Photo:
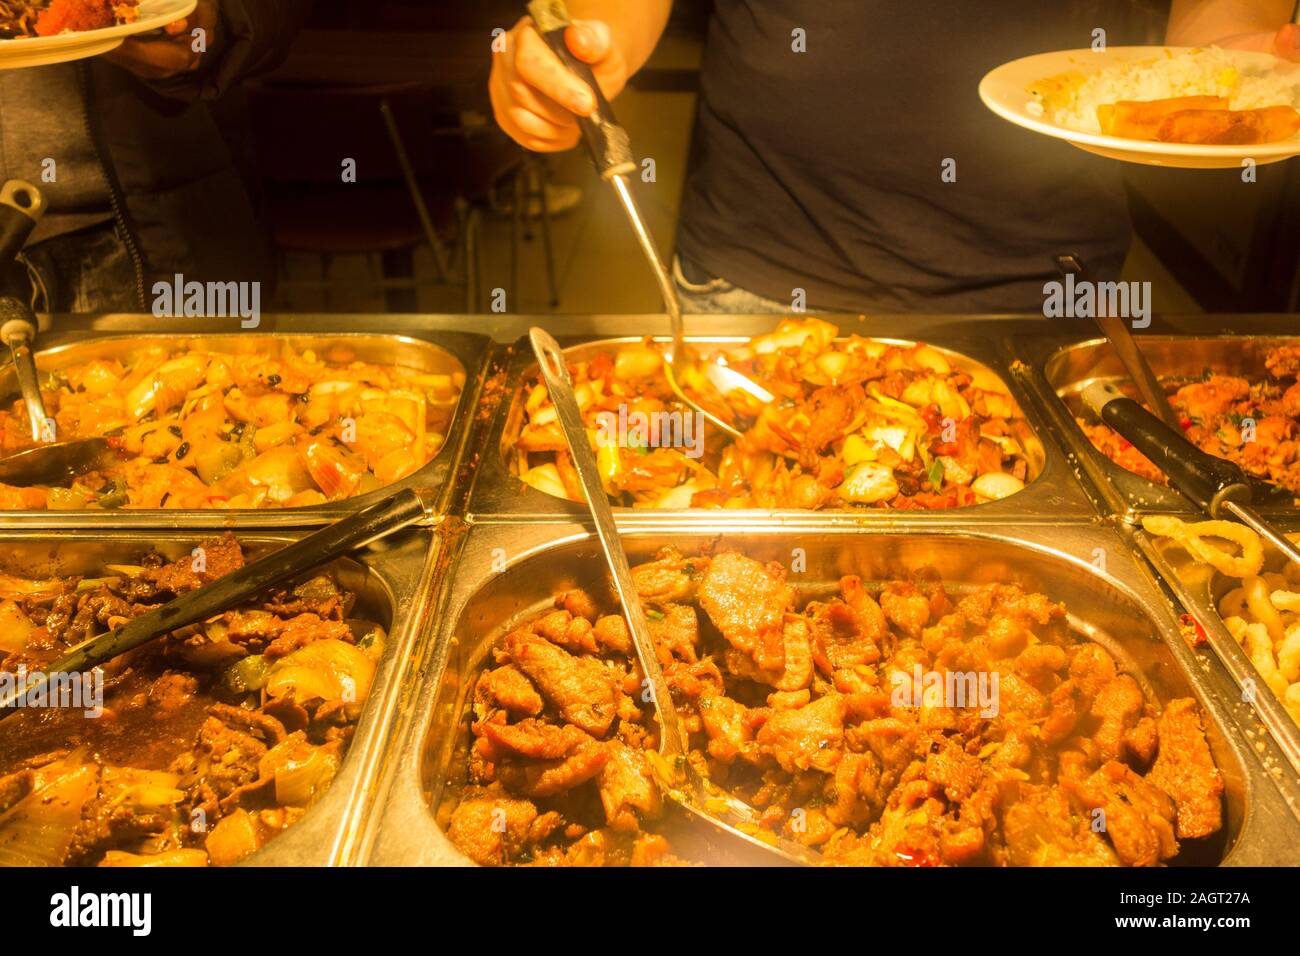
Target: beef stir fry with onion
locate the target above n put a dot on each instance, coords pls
(1254, 423)
(197, 427)
(856, 423)
(823, 714)
(210, 742)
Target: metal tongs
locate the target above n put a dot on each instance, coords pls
(1215, 485)
(378, 521)
(611, 152)
(1125, 346)
(687, 788)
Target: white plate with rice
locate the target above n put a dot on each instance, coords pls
(1057, 94)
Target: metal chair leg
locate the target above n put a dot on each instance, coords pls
(413, 187)
(543, 179)
(473, 221)
(516, 221)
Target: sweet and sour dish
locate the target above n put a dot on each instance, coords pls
(197, 427)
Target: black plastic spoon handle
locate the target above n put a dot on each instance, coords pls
(607, 141)
(1208, 481)
(332, 541)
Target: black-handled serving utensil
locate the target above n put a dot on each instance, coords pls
(686, 788)
(1125, 346)
(611, 153)
(404, 508)
(1217, 486)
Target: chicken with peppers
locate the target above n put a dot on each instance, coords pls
(1252, 422)
(855, 423)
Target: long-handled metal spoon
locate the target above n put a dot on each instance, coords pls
(21, 207)
(611, 152)
(1215, 485)
(18, 331)
(403, 509)
(691, 791)
(51, 462)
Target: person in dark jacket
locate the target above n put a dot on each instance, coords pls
(841, 151)
(143, 158)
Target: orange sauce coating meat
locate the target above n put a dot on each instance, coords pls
(1253, 422)
(809, 711)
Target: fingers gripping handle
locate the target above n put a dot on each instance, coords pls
(1208, 481)
(608, 143)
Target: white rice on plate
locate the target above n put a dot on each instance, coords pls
(1208, 72)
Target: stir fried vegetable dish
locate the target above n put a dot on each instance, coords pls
(855, 423)
(209, 742)
(198, 427)
(827, 717)
(1255, 424)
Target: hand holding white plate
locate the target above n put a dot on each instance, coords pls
(1014, 91)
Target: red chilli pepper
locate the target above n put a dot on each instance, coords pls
(911, 856)
(1201, 637)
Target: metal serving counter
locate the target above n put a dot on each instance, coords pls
(501, 549)
(505, 573)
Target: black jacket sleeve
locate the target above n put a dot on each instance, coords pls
(252, 37)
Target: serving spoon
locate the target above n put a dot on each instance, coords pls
(21, 207)
(611, 152)
(51, 462)
(378, 521)
(686, 786)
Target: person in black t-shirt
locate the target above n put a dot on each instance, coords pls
(841, 148)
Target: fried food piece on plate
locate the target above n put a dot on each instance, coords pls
(1271, 124)
(1142, 120)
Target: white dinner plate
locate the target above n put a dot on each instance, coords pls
(1005, 91)
(42, 51)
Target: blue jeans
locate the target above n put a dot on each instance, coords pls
(720, 296)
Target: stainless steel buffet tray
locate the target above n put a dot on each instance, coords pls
(438, 352)
(1051, 494)
(504, 573)
(391, 580)
(1057, 369)
(1199, 587)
